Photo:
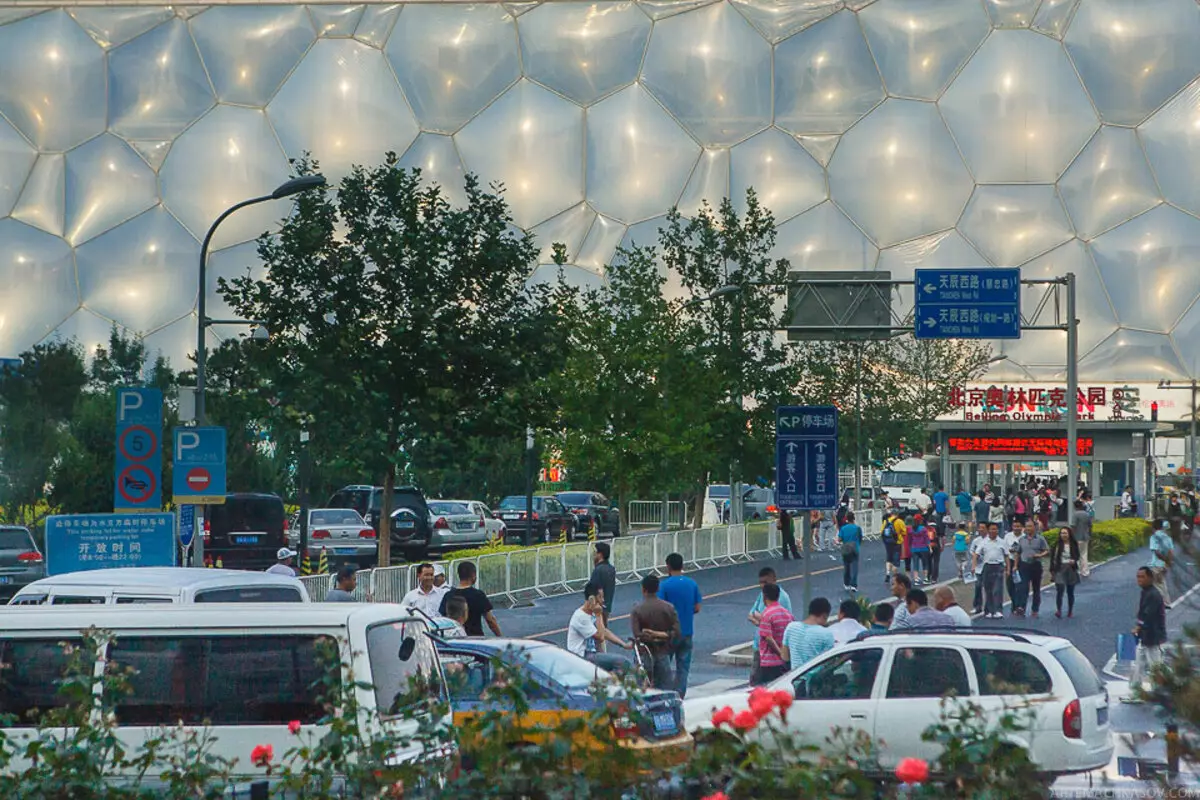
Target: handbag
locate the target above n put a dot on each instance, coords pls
(849, 549)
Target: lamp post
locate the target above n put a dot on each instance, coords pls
(203, 322)
(530, 468)
(1192, 387)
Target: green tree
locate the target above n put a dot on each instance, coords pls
(409, 325)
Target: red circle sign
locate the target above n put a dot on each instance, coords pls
(137, 443)
(198, 479)
(136, 484)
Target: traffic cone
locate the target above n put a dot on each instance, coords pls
(323, 567)
(306, 564)
(220, 563)
(208, 561)
(592, 531)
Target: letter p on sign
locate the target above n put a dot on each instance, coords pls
(127, 404)
(185, 442)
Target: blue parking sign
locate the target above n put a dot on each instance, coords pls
(199, 466)
(137, 479)
(81, 542)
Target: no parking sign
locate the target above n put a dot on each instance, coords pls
(137, 484)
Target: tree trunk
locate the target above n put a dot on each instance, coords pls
(385, 503)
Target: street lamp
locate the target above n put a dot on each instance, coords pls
(1191, 436)
(294, 186)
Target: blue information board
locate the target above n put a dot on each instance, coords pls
(806, 457)
(187, 525)
(199, 466)
(975, 303)
(78, 542)
(137, 482)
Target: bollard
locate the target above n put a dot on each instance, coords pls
(323, 564)
(306, 564)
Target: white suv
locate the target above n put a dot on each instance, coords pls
(889, 686)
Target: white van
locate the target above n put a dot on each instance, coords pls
(246, 669)
(160, 585)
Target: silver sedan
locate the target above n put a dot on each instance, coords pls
(341, 533)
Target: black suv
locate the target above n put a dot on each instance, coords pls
(592, 509)
(246, 531)
(410, 526)
(21, 562)
(550, 519)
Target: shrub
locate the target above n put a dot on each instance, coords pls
(1113, 537)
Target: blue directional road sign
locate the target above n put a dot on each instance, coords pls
(976, 303)
(806, 457)
(137, 484)
(77, 542)
(199, 466)
(187, 525)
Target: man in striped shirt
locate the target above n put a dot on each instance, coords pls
(771, 625)
(804, 641)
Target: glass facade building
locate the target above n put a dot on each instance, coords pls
(1057, 135)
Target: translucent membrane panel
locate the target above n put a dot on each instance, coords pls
(376, 24)
(58, 100)
(249, 50)
(1012, 13)
(1134, 356)
(646, 234)
(142, 273)
(156, 84)
(106, 184)
(336, 21)
(898, 173)
(41, 203)
(114, 25)
(361, 115)
(1172, 141)
(177, 341)
(437, 158)
(600, 244)
(661, 9)
(779, 19)
(638, 158)
(229, 156)
(567, 229)
(572, 275)
(823, 239)
(1012, 224)
(1185, 337)
(16, 160)
(38, 274)
(946, 249)
(453, 60)
(825, 77)
(709, 182)
(531, 140)
(920, 44)
(1109, 183)
(1093, 309)
(584, 50)
(782, 174)
(1018, 111)
(1054, 16)
(712, 70)
(1149, 267)
(1133, 56)
(90, 330)
(232, 262)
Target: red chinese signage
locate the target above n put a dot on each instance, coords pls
(1035, 404)
(1050, 446)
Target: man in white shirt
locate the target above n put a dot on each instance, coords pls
(994, 555)
(1011, 575)
(283, 565)
(586, 630)
(981, 536)
(922, 501)
(847, 628)
(945, 601)
(425, 597)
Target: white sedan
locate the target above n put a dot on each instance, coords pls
(495, 527)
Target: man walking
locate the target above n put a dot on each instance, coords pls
(850, 540)
(901, 586)
(683, 593)
(894, 533)
(1150, 630)
(1031, 549)
(345, 582)
(284, 559)
(425, 597)
(804, 641)
(767, 577)
(963, 501)
(983, 507)
(981, 536)
(604, 575)
(656, 624)
(479, 607)
(787, 530)
(994, 556)
(1081, 524)
(772, 625)
(1162, 553)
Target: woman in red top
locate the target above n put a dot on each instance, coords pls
(918, 544)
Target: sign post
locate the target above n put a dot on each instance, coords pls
(981, 303)
(806, 468)
(199, 474)
(187, 530)
(79, 542)
(137, 484)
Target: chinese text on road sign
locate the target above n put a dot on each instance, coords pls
(806, 457)
(977, 303)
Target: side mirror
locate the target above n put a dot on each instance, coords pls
(407, 647)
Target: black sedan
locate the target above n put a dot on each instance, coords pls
(551, 519)
(592, 510)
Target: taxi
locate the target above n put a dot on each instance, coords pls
(559, 688)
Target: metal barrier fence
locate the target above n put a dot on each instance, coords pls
(560, 568)
(648, 514)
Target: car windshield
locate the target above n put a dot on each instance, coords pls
(719, 490)
(445, 507)
(565, 668)
(335, 516)
(913, 480)
(247, 514)
(15, 539)
(514, 502)
(576, 498)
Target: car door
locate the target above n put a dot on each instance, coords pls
(604, 511)
(1012, 679)
(556, 518)
(838, 692)
(917, 678)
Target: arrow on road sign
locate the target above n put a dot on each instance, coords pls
(930, 322)
(791, 447)
(930, 288)
(820, 447)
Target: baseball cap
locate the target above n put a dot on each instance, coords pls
(438, 569)
(285, 552)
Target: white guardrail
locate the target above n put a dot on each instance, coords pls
(523, 575)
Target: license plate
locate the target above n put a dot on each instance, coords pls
(245, 540)
(1102, 716)
(664, 723)
(512, 516)
(407, 525)
(344, 551)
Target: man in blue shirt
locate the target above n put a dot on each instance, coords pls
(964, 501)
(940, 500)
(850, 538)
(683, 593)
(804, 641)
(767, 575)
(1162, 553)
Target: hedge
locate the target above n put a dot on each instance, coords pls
(1114, 537)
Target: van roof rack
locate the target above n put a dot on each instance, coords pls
(1016, 634)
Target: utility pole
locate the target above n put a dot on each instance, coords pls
(1072, 391)
(858, 421)
(530, 469)
(303, 476)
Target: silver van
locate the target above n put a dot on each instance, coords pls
(160, 585)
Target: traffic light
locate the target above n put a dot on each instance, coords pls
(1154, 411)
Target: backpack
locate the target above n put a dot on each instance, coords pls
(889, 532)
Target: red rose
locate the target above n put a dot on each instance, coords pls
(762, 704)
(262, 755)
(723, 716)
(745, 720)
(716, 796)
(783, 699)
(912, 770)
(294, 727)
